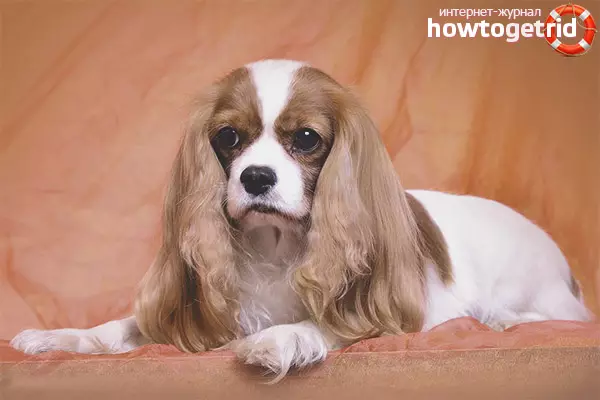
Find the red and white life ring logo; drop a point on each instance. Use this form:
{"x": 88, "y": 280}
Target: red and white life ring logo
{"x": 589, "y": 27}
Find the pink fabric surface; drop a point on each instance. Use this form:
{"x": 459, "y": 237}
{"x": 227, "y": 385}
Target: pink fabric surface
{"x": 457, "y": 334}
{"x": 460, "y": 359}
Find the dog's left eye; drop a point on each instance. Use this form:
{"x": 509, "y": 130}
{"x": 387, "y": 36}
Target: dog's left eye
{"x": 306, "y": 140}
{"x": 228, "y": 137}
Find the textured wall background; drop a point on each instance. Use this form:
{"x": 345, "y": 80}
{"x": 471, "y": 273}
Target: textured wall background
{"x": 94, "y": 94}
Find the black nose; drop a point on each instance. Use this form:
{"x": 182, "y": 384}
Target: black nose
{"x": 258, "y": 180}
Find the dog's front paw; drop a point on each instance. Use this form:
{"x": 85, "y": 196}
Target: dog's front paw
{"x": 282, "y": 347}
{"x": 34, "y": 341}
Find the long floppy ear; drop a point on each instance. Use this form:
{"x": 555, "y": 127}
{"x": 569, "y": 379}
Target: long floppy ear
{"x": 186, "y": 298}
{"x": 363, "y": 273}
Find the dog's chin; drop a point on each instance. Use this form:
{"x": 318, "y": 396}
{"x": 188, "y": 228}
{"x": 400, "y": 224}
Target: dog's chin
{"x": 263, "y": 212}
{"x": 266, "y": 209}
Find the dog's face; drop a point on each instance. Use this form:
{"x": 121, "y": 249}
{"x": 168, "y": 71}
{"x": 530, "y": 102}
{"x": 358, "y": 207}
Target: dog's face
{"x": 272, "y": 131}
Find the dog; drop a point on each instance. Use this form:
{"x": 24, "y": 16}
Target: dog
{"x": 287, "y": 233}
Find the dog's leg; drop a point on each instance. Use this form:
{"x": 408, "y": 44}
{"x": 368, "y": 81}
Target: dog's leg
{"x": 282, "y": 347}
{"x": 518, "y": 318}
{"x": 117, "y": 336}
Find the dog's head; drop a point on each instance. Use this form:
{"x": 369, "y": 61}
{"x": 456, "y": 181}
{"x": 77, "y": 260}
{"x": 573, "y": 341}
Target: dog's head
{"x": 283, "y": 139}
{"x": 272, "y": 131}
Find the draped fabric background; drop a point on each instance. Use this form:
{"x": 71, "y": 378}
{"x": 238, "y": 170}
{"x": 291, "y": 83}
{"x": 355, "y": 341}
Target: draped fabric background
{"x": 94, "y": 94}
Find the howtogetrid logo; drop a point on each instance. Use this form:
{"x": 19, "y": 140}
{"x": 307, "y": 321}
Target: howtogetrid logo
{"x": 553, "y": 29}
{"x": 589, "y": 27}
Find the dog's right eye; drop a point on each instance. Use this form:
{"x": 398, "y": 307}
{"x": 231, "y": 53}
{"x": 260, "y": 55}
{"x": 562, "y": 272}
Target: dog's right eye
{"x": 306, "y": 140}
{"x": 228, "y": 137}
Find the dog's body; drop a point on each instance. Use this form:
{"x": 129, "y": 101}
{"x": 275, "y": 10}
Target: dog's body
{"x": 292, "y": 266}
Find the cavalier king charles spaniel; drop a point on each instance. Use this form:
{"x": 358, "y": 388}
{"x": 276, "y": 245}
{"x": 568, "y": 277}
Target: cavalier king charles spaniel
{"x": 286, "y": 234}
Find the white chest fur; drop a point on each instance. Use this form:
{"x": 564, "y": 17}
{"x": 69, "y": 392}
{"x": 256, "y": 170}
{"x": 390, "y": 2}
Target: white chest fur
{"x": 271, "y": 249}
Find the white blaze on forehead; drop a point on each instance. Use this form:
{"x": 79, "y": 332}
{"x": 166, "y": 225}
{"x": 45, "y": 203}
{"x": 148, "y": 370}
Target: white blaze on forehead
{"x": 273, "y": 80}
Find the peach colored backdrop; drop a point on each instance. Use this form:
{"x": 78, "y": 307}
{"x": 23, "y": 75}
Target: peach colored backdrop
{"x": 94, "y": 94}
